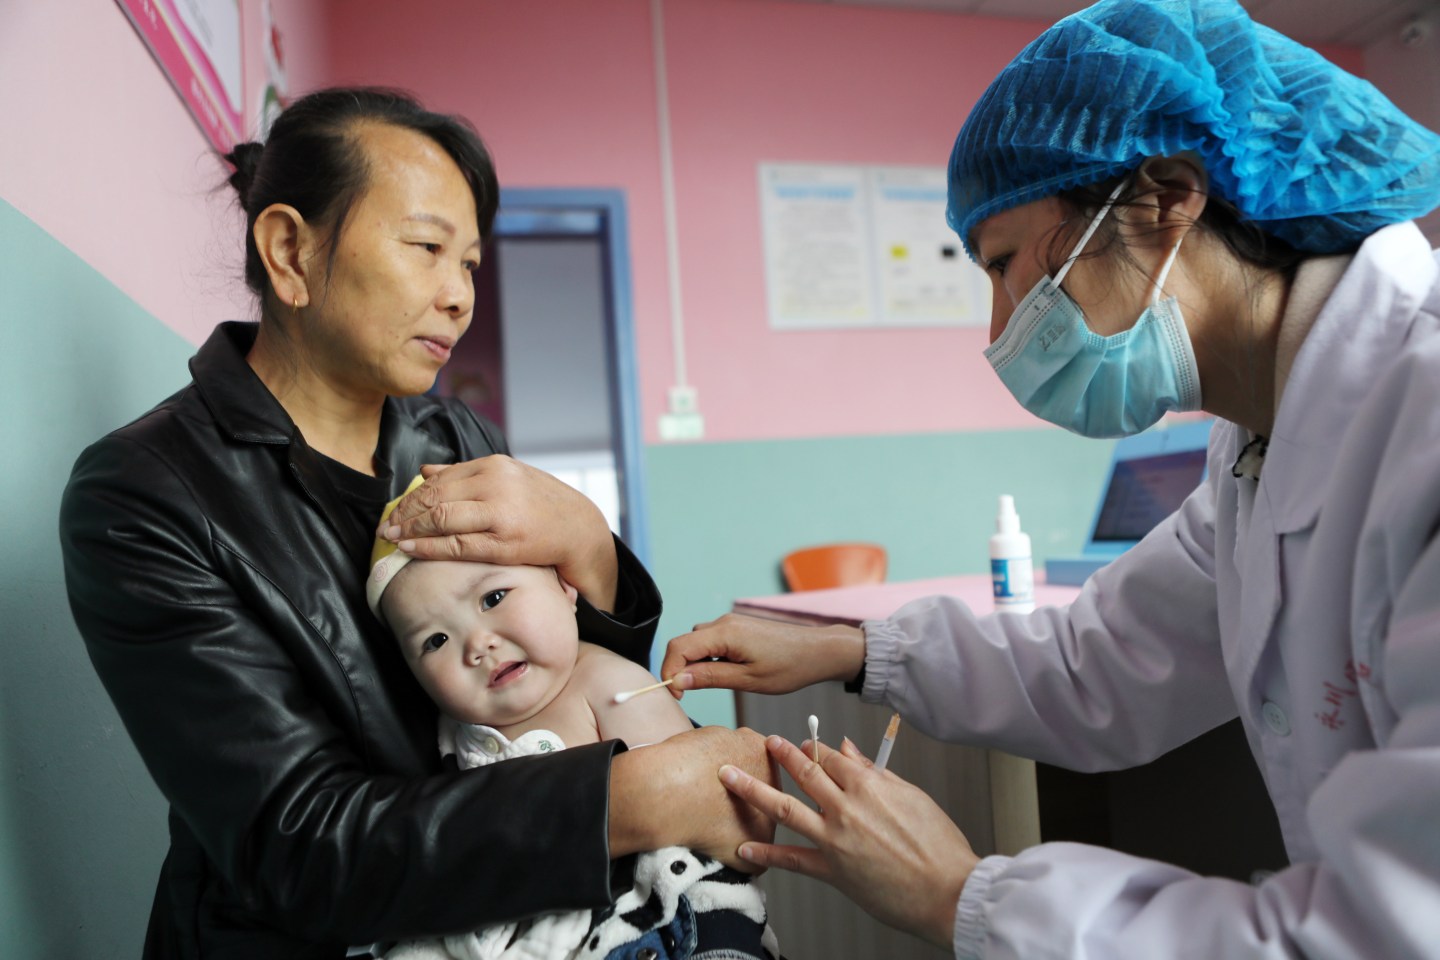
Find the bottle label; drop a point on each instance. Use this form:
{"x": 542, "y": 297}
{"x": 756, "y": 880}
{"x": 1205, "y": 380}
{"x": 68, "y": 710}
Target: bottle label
{"x": 1014, "y": 580}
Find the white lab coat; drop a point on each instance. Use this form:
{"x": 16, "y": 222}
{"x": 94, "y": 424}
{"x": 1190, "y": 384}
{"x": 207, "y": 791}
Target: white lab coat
{"x": 1308, "y": 603}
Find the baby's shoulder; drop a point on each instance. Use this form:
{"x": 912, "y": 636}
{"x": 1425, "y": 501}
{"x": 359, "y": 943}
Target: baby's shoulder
{"x": 600, "y": 674}
{"x": 637, "y": 720}
{"x": 595, "y": 663}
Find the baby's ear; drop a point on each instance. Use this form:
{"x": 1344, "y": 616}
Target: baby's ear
{"x": 570, "y": 591}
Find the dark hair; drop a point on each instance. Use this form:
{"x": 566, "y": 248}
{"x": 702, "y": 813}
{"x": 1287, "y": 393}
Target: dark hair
{"x": 313, "y": 161}
{"x": 1243, "y": 238}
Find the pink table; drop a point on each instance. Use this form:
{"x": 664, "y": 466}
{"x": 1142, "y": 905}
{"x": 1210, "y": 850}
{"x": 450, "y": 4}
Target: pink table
{"x": 854, "y": 605}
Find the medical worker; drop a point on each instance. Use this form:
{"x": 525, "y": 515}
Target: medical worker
{"x": 1178, "y": 210}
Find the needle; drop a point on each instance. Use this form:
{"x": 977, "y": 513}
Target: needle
{"x": 622, "y": 697}
{"x": 815, "y": 736}
{"x": 882, "y": 756}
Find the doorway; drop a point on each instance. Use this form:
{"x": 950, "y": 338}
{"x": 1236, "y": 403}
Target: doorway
{"x": 550, "y": 356}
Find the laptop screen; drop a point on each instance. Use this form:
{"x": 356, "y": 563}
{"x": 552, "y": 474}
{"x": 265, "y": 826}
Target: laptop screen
{"x": 1146, "y": 490}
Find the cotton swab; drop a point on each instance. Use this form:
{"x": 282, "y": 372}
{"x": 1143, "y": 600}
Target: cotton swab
{"x": 882, "y": 756}
{"x": 628, "y": 694}
{"x": 815, "y": 736}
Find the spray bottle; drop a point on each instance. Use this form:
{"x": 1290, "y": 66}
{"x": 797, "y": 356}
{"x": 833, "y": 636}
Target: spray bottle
{"x": 1010, "y": 565}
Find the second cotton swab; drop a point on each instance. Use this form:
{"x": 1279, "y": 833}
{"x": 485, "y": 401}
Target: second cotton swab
{"x": 628, "y": 694}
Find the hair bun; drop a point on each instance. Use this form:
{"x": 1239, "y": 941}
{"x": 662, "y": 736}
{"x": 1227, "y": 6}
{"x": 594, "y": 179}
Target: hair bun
{"x": 245, "y": 158}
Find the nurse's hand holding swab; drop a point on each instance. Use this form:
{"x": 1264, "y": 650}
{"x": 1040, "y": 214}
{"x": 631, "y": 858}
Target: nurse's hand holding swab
{"x": 737, "y": 652}
{"x": 628, "y": 694}
{"x": 879, "y": 840}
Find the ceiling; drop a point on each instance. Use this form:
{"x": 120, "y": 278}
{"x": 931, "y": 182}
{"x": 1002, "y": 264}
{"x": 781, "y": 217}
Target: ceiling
{"x": 1356, "y": 23}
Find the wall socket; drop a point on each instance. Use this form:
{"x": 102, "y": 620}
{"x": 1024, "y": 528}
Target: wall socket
{"x": 684, "y": 400}
{"x": 683, "y": 420}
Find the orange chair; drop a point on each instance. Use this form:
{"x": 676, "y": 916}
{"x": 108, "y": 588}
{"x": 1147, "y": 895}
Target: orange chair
{"x": 834, "y": 565}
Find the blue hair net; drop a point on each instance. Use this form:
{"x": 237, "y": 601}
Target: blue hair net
{"x": 1311, "y": 154}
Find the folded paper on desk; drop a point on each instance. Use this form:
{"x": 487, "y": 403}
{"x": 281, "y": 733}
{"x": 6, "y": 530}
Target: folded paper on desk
{"x": 1150, "y": 476}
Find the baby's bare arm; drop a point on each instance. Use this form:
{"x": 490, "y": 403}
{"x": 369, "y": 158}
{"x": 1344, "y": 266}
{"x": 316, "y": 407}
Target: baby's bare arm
{"x": 648, "y": 718}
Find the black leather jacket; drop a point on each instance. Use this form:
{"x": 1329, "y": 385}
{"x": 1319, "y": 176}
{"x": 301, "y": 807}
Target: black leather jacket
{"x": 308, "y": 809}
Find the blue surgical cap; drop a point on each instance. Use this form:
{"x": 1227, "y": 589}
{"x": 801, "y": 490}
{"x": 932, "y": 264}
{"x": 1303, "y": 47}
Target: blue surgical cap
{"x": 1311, "y": 154}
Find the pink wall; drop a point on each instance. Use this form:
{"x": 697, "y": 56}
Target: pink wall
{"x": 757, "y": 82}
{"x": 100, "y": 152}
{"x": 563, "y": 91}
{"x": 1408, "y": 71}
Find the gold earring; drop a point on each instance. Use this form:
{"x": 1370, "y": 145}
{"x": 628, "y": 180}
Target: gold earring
{"x": 295, "y": 303}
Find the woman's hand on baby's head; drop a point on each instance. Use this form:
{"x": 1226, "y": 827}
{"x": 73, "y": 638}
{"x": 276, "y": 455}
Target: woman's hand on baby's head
{"x": 499, "y": 510}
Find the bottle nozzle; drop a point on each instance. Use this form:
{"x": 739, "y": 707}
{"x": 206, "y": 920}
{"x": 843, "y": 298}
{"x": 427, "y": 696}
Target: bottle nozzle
{"x": 1007, "y": 520}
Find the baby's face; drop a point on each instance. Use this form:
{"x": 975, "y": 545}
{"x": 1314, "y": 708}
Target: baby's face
{"x": 490, "y": 644}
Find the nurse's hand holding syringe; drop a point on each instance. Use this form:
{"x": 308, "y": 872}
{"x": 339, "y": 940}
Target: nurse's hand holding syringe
{"x": 877, "y": 839}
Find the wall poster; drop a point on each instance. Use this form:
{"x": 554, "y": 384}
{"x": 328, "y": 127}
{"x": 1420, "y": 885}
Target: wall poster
{"x": 859, "y": 247}
{"x": 197, "y": 43}
{"x": 275, "y": 94}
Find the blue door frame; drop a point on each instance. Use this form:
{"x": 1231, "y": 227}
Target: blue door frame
{"x": 543, "y": 212}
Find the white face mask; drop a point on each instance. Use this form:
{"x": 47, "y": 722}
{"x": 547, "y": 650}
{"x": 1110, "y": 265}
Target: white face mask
{"x": 1062, "y": 371}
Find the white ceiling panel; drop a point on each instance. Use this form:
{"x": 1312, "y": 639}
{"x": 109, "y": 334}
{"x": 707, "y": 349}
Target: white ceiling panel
{"x": 1046, "y": 11}
{"x": 1348, "y": 22}
{"x": 949, "y": 6}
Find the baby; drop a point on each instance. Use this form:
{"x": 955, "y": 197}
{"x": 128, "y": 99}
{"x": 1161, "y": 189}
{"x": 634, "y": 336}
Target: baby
{"x": 498, "y": 650}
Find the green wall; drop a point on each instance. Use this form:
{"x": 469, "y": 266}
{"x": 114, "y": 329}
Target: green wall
{"x": 722, "y": 515}
{"x": 82, "y": 829}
